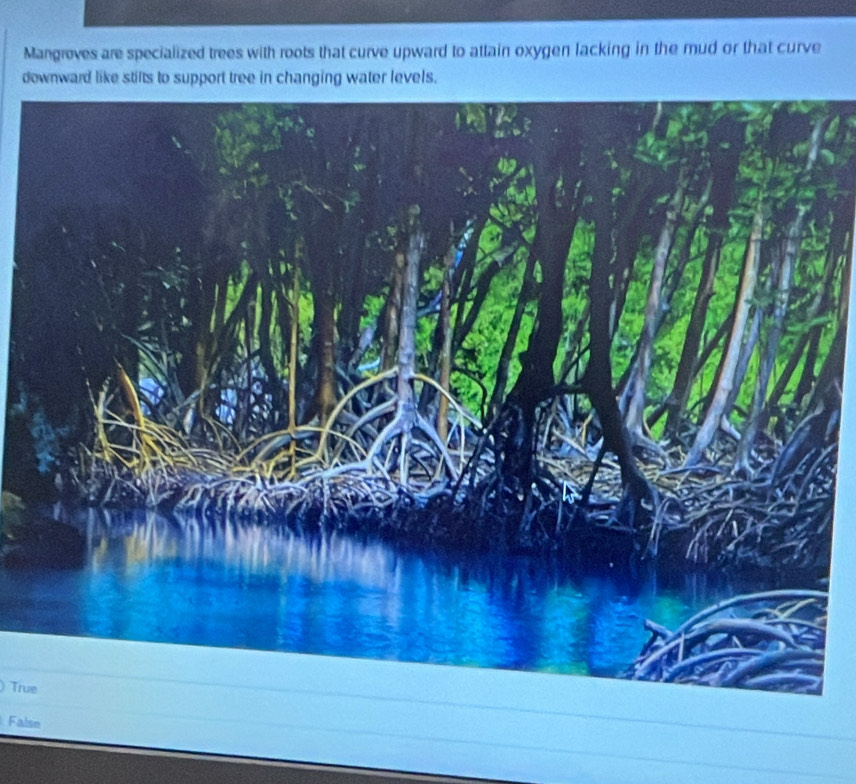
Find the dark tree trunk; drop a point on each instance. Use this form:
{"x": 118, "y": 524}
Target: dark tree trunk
{"x": 462, "y": 282}
{"x": 832, "y": 372}
{"x": 322, "y": 258}
{"x": 839, "y": 248}
{"x": 266, "y": 357}
{"x": 597, "y": 380}
{"x": 324, "y": 340}
{"x": 632, "y": 221}
{"x": 193, "y": 367}
{"x": 466, "y": 324}
{"x": 503, "y": 367}
{"x": 555, "y": 191}
{"x": 358, "y": 222}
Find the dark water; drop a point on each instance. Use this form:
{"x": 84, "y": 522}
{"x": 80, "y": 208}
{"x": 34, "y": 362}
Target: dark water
{"x": 147, "y": 578}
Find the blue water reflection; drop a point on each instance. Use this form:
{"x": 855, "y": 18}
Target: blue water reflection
{"x": 150, "y": 578}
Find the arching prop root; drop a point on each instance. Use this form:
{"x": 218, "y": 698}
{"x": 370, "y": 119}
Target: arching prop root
{"x": 379, "y": 452}
{"x": 774, "y": 641}
{"x": 751, "y": 521}
{"x": 710, "y": 514}
{"x": 373, "y": 456}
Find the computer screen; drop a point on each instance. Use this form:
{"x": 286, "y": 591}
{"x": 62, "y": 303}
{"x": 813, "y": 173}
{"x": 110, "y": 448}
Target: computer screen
{"x": 427, "y": 389}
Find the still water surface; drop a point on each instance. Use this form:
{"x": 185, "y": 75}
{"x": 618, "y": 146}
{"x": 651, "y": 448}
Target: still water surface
{"x": 148, "y": 578}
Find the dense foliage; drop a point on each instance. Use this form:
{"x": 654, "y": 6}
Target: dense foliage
{"x": 657, "y": 281}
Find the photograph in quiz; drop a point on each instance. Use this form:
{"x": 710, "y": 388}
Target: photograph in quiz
{"x": 541, "y": 387}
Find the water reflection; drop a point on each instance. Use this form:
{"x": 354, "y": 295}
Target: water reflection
{"x": 151, "y": 578}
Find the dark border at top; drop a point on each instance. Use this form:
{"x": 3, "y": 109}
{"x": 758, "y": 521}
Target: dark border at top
{"x": 148, "y": 13}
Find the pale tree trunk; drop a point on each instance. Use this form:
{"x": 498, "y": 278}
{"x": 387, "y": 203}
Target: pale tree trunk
{"x": 634, "y": 419}
{"x": 724, "y": 163}
{"x": 718, "y": 404}
{"x": 324, "y": 326}
{"x": 671, "y": 285}
{"x": 781, "y": 274}
{"x": 445, "y": 325}
{"x": 746, "y": 351}
{"x": 293, "y": 346}
{"x": 243, "y": 415}
{"x": 391, "y": 312}
{"x": 780, "y": 308}
{"x": 809, "y": 339}
{"x": 407, "y": 346}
